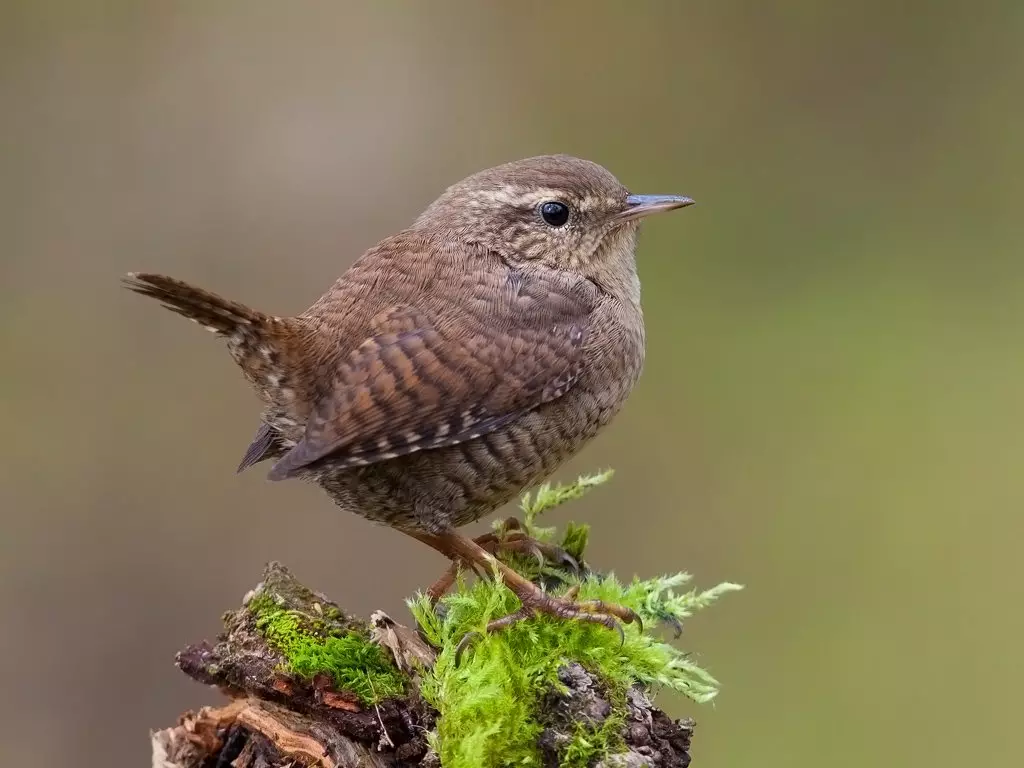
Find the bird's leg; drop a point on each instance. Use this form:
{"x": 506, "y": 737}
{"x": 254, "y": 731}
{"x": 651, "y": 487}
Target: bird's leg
{"x": 509, "y": 538}
{"x": 534, "y": 601}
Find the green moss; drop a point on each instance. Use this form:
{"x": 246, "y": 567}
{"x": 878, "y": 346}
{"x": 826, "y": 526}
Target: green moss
{"x": 489, "y": 702}
{"x": 574, "y": 542}
{"x": 314, "y": 645}
{"x": 502, "y": 676}
{"x": 588, "y": 745}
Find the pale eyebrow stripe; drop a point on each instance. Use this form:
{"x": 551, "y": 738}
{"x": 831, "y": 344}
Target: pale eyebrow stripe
{"x": 516, "y": 195}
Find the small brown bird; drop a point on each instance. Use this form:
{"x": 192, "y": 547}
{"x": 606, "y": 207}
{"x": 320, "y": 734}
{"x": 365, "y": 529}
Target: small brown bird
{"x": 456, "y": 363}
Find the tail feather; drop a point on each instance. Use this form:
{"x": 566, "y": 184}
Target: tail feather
{"x": 269, "y": 349}
{"x": 214, "y": 312}
{"x": 272, "y": 352}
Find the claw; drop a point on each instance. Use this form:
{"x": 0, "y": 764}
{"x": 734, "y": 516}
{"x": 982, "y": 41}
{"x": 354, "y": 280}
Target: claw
{"x": 517, "y": 542}
{"x": 512, "y": 524}
{"x": 464, "y": 643}
{"x": 533, "y": 549}
{"x": 605, "y": 620}
{"x": 676, "y": 624}
{"x": 566, "y": 559}
{"x": 537, "y": 553}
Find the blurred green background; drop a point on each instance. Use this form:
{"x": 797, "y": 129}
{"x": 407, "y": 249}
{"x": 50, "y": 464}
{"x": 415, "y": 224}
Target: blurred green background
{"x": 831, "y": 410}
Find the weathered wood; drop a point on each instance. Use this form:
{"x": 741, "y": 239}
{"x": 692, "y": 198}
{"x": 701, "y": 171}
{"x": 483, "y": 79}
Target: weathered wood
{"x": 277, "y": 719}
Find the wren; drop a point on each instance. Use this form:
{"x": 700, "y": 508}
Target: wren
{"x": 457, "y": 362}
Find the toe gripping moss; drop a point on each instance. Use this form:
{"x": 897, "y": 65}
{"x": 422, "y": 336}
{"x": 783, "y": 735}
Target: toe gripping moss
{"x": 313, "y": 685}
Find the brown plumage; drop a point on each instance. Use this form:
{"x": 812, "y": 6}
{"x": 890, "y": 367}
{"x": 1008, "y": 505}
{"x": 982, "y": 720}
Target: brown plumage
{"x": 457, "y": 362}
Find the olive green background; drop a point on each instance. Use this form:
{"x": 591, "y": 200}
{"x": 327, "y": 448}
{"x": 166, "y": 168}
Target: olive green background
{"x": 831, "y": 411}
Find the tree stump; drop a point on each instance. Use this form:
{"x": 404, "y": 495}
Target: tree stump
{"x": 364, "y": 708}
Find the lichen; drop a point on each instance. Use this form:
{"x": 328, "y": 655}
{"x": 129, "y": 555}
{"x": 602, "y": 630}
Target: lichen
{"x": 322, "y": 644}
{"x": 489, "y": 701}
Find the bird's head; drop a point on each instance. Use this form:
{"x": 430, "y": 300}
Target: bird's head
{"x": 557, "y": 211}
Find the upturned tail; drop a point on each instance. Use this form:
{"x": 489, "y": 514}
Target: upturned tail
{"x": 215, "y": 313}
{"x": 269, "y": 349}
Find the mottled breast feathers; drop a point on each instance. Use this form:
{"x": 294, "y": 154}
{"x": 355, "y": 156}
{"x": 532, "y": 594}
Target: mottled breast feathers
{"x": 434, "y": 377}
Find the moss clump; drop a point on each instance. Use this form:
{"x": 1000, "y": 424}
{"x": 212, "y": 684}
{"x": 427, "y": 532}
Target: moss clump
{"x": 590, "y": 744}
{"x": 488, "y": 704}
{"x": 318, "y": 645}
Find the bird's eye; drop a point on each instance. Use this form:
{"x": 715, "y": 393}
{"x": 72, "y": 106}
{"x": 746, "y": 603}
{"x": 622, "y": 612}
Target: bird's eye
{"x": 554, "y": 213}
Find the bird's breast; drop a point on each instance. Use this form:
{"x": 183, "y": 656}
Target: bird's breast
{"x": 614, "y": 353}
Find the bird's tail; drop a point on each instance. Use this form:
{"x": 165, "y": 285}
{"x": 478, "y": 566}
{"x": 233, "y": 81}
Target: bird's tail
{"x": 213, "y": 312}
{"x": 269, "y": 349}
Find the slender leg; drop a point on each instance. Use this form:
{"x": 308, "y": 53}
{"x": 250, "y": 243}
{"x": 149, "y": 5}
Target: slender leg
{"x": 510, "y": 539}
{"x": 462, "y": 549}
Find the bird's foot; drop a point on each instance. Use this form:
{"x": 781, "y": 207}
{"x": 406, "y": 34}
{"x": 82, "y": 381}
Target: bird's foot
{"x": 509, "y": 538}
{"x": 536, "y": 602}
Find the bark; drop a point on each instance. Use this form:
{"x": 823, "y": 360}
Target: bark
{"x": 275, "y": 719}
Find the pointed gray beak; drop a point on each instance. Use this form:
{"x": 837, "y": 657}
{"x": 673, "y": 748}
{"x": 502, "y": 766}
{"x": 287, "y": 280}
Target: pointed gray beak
{"x": 640, "y": 206}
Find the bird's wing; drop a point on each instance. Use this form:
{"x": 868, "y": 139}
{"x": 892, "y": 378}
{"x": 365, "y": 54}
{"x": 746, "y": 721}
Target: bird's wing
{"x": 422, "y": 383}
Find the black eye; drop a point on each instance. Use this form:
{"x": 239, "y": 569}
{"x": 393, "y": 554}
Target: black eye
{"x": 554, "y": 213}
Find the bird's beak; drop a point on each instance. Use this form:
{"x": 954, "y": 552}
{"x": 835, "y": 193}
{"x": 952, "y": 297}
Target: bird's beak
{"x": 639, "y": 206}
